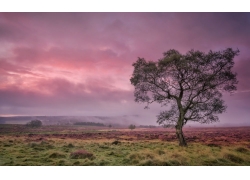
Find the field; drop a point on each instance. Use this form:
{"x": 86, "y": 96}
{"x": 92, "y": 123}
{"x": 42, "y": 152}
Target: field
{"x": 103, "y": 146}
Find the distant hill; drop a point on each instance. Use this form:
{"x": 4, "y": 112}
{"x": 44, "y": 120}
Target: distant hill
{"x": 115, "y": 121}
{"x": 71, "y": 120}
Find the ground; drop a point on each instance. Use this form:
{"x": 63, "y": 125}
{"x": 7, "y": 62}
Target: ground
{"x": 79, "y": 145}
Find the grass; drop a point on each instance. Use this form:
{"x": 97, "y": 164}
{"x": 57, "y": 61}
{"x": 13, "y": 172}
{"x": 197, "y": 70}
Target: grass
{"x": 81, "y": 154}
{"x": 37, "y": 148}
{"x": 71, "y": 152}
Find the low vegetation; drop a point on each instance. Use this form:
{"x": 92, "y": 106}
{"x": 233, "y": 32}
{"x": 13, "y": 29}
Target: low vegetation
{"x": 89, "y": 124}
{"x": 34, "y": 124}
{"x": 124, "y": 148}
{"x": 131, "y": 126}
{"x": 81, "y": 154}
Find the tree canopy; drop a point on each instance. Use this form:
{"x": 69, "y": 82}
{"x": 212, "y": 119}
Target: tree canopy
{"x": 131, "y": 126}
{"x": 190, "y": 85}
{"x": 34, "y": 123}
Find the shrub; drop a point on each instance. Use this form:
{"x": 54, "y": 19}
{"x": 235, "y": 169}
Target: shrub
{"x": 81, "y": 154}
{"x": 116, "y": 142}
{"x": 131, "y": 126}
{"x": 34, "y": 123}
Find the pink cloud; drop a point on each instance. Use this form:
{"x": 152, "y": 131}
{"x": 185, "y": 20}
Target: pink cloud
{"x": 81, "y": 61}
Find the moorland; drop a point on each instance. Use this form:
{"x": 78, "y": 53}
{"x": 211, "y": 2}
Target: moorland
{"x": 109, "y": 146}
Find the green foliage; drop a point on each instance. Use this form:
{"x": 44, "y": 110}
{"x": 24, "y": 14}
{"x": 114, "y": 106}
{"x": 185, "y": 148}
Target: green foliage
{"x": 34, "y": 123}
{"x": 189, "y": 85}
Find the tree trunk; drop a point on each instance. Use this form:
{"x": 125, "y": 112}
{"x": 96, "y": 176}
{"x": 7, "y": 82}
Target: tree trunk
{"x": 180, "y": 136}
{"x": 180, "y": 123}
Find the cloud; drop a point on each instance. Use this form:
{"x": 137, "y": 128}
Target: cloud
{"x": 81, "y": 63}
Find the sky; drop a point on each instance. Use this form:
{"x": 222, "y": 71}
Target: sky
{"x": 79, "y": 64}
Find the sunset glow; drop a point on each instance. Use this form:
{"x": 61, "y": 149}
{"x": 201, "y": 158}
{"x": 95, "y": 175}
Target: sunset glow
{"x": 81, "y": 63}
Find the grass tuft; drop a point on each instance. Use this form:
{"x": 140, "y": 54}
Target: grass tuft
{"x": 160, "y": 152}
{"x": 242, "y": 150}
{"x": 57, "y": 155}
{"x": 116, "y": 142}
{"x": 233, "y": 158}
{"x": 154, "y": 163}
{"x": 81, "y": 154}
{"x": 70, "y": 145}
{"x": 213, "y": 145}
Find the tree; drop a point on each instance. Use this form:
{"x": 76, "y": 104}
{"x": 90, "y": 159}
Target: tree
{"x": 131, "y": 126}
{"x": 190, "y": 85}
{"x": 34, "y": 123}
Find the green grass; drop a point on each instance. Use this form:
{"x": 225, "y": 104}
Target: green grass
{"x": 19, "y": 151}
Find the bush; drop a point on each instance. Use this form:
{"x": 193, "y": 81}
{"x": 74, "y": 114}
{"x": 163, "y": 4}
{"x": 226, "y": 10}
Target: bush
{"x": 34, "y": 123}
{"x": 116, "y": 142}
{"x": 131, "y": 126}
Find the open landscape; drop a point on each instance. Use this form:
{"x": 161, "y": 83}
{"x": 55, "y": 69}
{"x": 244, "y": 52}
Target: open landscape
{"x": 97, "y": 146}
{"x": 125, "y": 89}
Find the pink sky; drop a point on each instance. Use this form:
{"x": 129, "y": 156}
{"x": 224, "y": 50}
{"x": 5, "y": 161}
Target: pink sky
{"x": 81, "y": 63}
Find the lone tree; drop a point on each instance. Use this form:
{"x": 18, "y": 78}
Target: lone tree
{"x": 34, "y": 123}
{"x": 131, "y": 126}
{"x": 191, "y": 85}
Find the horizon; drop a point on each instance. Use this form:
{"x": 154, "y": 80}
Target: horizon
{"x": 108, "y": 120}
